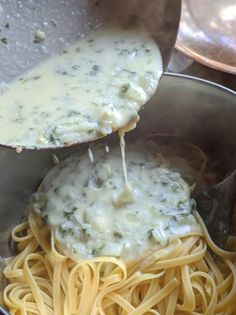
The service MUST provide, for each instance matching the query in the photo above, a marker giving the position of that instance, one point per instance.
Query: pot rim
(204, 81)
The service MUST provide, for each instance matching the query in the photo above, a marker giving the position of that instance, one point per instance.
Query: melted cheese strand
(122, 148)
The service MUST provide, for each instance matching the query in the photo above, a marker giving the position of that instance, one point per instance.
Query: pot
(198, 111)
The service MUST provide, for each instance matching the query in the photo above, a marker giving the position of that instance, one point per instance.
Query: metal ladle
(64, 22)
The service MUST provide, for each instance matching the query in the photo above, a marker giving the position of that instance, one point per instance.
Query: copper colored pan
(207, 33)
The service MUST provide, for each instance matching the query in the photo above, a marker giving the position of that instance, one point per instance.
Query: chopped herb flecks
(125, 88)
(118, 235)
(4, 40)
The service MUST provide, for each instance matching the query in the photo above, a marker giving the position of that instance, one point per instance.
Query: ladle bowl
(64, 22)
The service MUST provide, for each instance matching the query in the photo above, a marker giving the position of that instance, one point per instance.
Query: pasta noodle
(182, 278)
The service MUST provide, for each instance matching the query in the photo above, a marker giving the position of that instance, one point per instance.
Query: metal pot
(200, 112)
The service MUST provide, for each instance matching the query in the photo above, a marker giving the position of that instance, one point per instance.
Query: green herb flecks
(65, 231)
(45, 219)
(181, 206)
(63, 52)
(98, 182)
(68, 214)
(184, 215)
(118, 235)
(94, 71)
(125, 88)
(96, 251)
(4, 40)
(53, 139)
(36, 77)
(175, 187)
(75, 67)
(167, 227)
(149, 234)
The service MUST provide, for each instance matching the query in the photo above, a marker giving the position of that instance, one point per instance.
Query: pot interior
(197, 111)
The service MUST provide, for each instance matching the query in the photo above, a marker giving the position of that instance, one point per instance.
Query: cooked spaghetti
(179, 277)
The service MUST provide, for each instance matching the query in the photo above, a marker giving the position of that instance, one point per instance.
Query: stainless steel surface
(188, 107)
(64, 21)
(215, 205)
(207, 33)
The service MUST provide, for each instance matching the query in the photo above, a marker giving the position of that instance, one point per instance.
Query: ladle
(64, 22)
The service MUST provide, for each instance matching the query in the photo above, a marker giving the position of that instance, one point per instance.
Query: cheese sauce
(87, 91)
(84, 205)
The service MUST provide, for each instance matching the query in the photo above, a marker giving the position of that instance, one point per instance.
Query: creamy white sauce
(82, 204)
(87, 91)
